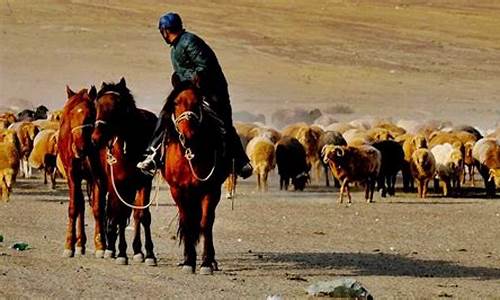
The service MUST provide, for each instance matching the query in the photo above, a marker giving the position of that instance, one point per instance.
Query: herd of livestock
(367, 151)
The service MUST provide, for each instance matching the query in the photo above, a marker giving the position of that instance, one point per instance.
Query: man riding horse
(193, 60)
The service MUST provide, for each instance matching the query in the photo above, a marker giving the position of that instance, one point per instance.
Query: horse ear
(69, 92)
(122, 82)
(92, 92)
(176, 80)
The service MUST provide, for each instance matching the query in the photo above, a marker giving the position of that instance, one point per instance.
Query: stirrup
(148, 165)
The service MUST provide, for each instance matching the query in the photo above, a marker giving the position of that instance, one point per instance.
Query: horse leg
(136, 243)
(189, 230)
(98, 204)
(111, 228)
(121, 258)
(75, 197)
(208, 205)
(81, 237)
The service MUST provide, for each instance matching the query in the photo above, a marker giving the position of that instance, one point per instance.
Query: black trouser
(222, 109)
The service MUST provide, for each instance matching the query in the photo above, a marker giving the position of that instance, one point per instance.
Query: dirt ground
(277, 243)
(396, 59)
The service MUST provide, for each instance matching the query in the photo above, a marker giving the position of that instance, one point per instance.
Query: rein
(111, 160)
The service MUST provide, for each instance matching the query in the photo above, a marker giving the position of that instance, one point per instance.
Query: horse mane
(126, 99)
(178, 88)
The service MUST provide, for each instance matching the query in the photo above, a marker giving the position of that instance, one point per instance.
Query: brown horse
(80, 162)
(195, 168)
(121, 134)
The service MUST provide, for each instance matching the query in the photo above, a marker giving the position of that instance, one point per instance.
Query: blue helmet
(170, 20)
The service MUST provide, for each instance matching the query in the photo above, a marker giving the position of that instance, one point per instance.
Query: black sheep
(292, 164)
(392, 161)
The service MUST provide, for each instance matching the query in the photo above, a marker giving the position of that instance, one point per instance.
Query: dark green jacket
(192, 56)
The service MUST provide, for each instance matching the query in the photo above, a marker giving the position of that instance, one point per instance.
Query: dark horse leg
(121, 258)
(75, 205)
(98, 204)
(111, 226)
(208, 204)
(189, 226)
(143, 216)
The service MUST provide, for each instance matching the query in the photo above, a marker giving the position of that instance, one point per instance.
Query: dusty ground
(274, 243)
(400, 59)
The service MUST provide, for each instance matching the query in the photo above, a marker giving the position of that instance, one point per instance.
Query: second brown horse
(121, 134)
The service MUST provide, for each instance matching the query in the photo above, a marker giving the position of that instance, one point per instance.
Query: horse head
(113, 105)
(185, 106)
(78, 117)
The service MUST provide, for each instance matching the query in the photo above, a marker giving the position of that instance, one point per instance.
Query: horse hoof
(99, 254)
(138, 258)
(187, 269)
(121, 261)
(150, 262)
(109, 254)
(68, 253)
(79, 251)
(206, 271)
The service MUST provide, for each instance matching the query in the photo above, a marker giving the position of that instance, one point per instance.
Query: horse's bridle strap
(81, 127)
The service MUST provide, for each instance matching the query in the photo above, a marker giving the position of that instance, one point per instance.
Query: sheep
(292, 163)
(260, 150)
(468, 137)
(470, 129)
(410, 144)
(379, 134)
(9, 161)
(309, 137)
(264, 131)
(339, 127)
(46, 124)
(6, 119)
(26, 132)
(330, 138)
(410, 126)
(244, 132)
(393, 129)
(392, 162)
(448, 166)
(357, 137)
(423, 168)
(486, 154)
(354, 164)
(55, 115)
(43, 155)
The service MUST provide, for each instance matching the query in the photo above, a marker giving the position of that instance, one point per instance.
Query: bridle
(189, 115)
(99, 121)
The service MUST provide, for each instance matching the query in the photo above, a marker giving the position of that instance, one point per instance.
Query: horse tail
(189, 226)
